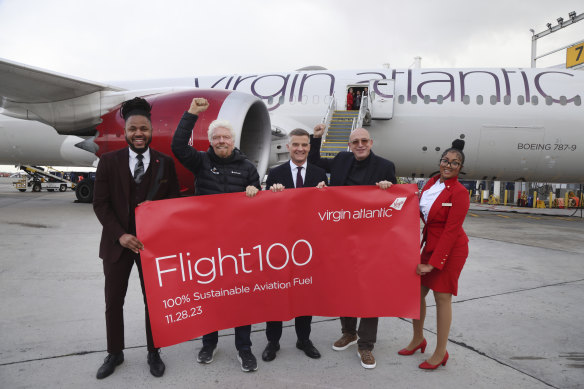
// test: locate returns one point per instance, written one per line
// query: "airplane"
(519, 124)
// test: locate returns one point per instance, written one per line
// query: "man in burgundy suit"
(124, 179)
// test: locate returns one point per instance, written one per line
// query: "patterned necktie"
(139, 169)
(299, 183)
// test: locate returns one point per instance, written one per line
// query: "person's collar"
(218, 159)
(133, 154)
(363, 161)
(449, 182)
(294, 166)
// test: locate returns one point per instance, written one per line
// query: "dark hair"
(457, 146)
(298, 132)
(136, 106)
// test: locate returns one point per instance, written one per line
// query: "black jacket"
(283, 175)
(213, 174)
(339, 167)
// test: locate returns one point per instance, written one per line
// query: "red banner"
(221, 261)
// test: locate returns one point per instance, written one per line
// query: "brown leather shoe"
(367, 359)
(345, 341)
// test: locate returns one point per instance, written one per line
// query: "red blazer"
(349, 100)
(111, 195)
(443, 230)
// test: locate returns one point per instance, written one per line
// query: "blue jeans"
(242, 338)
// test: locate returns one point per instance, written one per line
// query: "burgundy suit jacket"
(111, 195)
(443, 229)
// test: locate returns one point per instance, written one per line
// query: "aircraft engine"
(248, 115)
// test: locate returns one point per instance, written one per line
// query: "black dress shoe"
(156, 365)
(308, 349)
(269, 353)
(109, 365)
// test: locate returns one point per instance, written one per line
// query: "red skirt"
(445, 280)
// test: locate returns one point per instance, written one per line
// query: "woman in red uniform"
(350, 99)
(443, 206)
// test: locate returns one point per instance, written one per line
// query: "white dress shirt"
(294, 169)
(429, 196)
(134, 160)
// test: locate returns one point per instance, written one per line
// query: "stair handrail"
(362, 112)
(329, 116)
(353, 128)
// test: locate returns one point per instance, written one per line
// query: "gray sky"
(110, 40)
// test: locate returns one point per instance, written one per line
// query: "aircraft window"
(426, 99)
(563, 100)
(424, 148)
(534, 100)
(466, 99)
(401, 99)
(304, 99)
(520, 100)
(440, 99)
(414, 99)
(493, 100)
(270, 100)
(507, 99)
(281, 100)
(577, 100)
(437, 149)
(480, 100)
(462, 136)
(315, 99)
(549, 100)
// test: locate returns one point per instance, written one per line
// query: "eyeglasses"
(355, 142)
(454, 164)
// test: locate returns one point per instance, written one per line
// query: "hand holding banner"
(220, 261)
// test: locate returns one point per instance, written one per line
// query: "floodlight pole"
(573, 18)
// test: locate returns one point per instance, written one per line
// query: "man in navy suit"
(296, 173)
(360, 166)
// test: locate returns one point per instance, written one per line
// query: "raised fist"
(198, 105)
(319, 130)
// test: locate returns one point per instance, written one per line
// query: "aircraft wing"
(23, 84)
(71, 105)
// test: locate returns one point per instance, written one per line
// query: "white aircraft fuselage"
(518, 124)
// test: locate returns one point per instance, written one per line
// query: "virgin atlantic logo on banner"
(363, 213)
(398, 203)
(220, 261)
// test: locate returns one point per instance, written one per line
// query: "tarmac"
(517, 321)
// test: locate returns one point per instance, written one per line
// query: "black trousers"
(117, 275)
(367, 330)
(301, 324)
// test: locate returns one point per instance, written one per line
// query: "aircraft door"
(381, 94)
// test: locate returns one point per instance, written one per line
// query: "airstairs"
(337, 136)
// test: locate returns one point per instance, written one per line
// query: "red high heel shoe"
(425, 365)
(405, 351)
